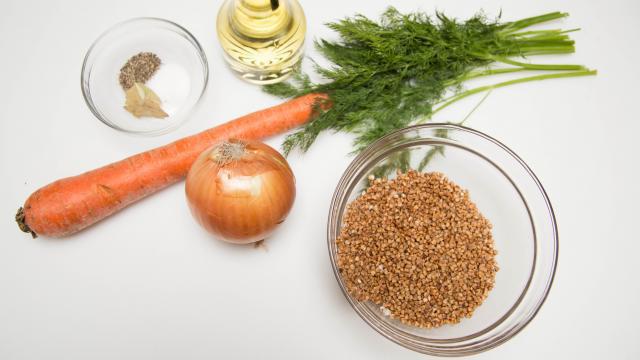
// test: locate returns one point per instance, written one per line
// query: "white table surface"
(150, 284)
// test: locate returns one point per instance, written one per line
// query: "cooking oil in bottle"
(262, 39)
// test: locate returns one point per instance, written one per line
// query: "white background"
(148, 283)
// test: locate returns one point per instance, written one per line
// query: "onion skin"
(242, 195)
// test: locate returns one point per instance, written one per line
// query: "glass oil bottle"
(262, 39)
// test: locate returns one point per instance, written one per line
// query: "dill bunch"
(390, 73)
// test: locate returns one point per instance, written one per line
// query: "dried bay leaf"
(142, 101)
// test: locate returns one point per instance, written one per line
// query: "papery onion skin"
(240, 195)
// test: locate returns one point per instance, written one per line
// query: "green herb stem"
(532, 34)
(475, 74)
(529, 66)
(480, 89)
(536, 50)
(527, 22)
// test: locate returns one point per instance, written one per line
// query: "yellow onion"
(240, 190)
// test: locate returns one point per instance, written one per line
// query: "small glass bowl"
(506, 191)
(180, 81)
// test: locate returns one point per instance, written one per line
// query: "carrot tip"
(23, 225)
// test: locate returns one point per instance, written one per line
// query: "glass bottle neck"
(260, 18)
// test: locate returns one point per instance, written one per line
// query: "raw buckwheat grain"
(417, 246)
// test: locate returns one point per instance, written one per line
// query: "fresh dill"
(394, 72)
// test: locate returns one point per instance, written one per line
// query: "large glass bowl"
(506, 191)
(180, 81)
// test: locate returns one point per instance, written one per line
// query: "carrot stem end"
(22, 224)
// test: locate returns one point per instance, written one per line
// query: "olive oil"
(262, 39)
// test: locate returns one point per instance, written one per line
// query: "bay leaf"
(141, 101)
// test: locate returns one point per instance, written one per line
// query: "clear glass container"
(263, 40)
(180, 82)
(506, 191)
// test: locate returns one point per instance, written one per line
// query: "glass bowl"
(180, 81)
(507, 193)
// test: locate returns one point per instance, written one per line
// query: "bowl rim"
(85, 73)
(337, 203)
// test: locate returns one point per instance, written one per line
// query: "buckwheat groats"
(417, 246)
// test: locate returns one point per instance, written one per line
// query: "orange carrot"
(71, 204)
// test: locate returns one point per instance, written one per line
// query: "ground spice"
(417, 246)
(138, 69)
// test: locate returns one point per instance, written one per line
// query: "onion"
(240, 190)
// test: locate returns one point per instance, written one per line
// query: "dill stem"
(487, 72)
(536, 66)
(551, 43)
(541, 37)
(545, 50)
(534, 34)
(467, 93)
(526, 22)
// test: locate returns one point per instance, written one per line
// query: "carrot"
(71, 204)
